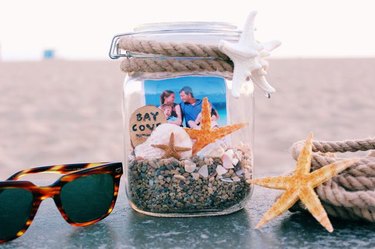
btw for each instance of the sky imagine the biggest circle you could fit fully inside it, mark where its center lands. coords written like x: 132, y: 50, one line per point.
x: 212, y: 87
x: 83, y: 29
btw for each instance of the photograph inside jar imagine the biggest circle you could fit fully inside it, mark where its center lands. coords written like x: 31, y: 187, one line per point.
x: 184, y: 160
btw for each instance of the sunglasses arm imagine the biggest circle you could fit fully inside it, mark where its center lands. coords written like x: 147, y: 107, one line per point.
x: 59, y: 169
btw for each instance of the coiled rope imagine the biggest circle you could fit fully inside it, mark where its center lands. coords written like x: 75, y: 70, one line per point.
x: 162, y: 57
x: 351, y: 194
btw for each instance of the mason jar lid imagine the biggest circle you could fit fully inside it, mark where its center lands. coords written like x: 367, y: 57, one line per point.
x: 222, y: 26
x: 209, y: 33
x: 202, y: 32
x: 194, y: 31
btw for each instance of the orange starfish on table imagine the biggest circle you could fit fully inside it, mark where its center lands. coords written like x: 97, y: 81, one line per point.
x: 206, y: 134
x: 301, y: 186
x: 171, y: 150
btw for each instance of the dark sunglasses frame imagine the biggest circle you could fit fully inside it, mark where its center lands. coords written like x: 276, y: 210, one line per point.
x: 71, y: 172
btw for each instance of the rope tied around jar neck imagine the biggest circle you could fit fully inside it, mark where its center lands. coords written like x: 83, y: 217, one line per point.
x: 174, y: 57
x: 351, y: 194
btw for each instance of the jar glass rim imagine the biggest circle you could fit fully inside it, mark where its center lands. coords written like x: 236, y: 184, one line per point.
x: 187, y: 31
x: 181, y: 26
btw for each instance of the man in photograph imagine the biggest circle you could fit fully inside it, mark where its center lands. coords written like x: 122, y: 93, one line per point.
x: 191, y: 108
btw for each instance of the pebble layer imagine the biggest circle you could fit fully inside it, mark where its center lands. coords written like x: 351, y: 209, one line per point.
x: 164, y: 185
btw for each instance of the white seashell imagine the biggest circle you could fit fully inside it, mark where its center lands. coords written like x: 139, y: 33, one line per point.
x: 235, y: 161
x: 195, y: 176
x: 236, y: 179
x: 189, y: 166
x: 203, y: 171
x: 238, y: 155
x: 208, y: 160
x: 221, y: 170
x: 179, y: 177
x: 230, y: 153
x: 215, y: 149
x: 227, y: 180
x: 227, y: 161
x: 152, y: 164
x: 161, y: 135
x: 217, y: 152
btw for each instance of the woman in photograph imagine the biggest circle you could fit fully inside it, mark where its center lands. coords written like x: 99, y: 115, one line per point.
x: 167, y: 97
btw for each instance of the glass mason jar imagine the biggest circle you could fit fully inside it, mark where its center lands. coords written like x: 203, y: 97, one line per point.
x: 188, y: 140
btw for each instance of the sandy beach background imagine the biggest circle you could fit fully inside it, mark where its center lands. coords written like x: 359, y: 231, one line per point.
x: 54, y: 112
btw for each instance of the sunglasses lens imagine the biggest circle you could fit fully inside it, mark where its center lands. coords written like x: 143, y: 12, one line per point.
x: 87, y: 198
x: 15, y: 209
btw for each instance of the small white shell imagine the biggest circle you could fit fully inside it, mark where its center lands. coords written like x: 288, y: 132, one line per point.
x: 236, y: 179
x: 203, y: 171
x: 179, y: 177
x: 227, y: 180
x: 189, y: 166
x: 161, y: 135
x: 227, y: 161
x: 221, y: 170
x: 195, y: 176
x: 230, y: 153
x: 215, y: 149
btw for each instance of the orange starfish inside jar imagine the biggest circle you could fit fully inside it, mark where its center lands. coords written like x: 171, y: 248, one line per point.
x: 188, y: 127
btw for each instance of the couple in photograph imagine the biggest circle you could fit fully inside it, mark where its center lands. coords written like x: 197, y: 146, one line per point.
x: 189, y: 110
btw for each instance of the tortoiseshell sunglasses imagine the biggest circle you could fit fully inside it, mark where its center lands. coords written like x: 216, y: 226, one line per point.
x: 85, y: 195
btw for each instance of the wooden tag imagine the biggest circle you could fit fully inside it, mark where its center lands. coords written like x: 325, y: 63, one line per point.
x: 143, y: 121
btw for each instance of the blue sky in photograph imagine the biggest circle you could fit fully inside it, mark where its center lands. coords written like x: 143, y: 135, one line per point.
x: 212, y: 87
